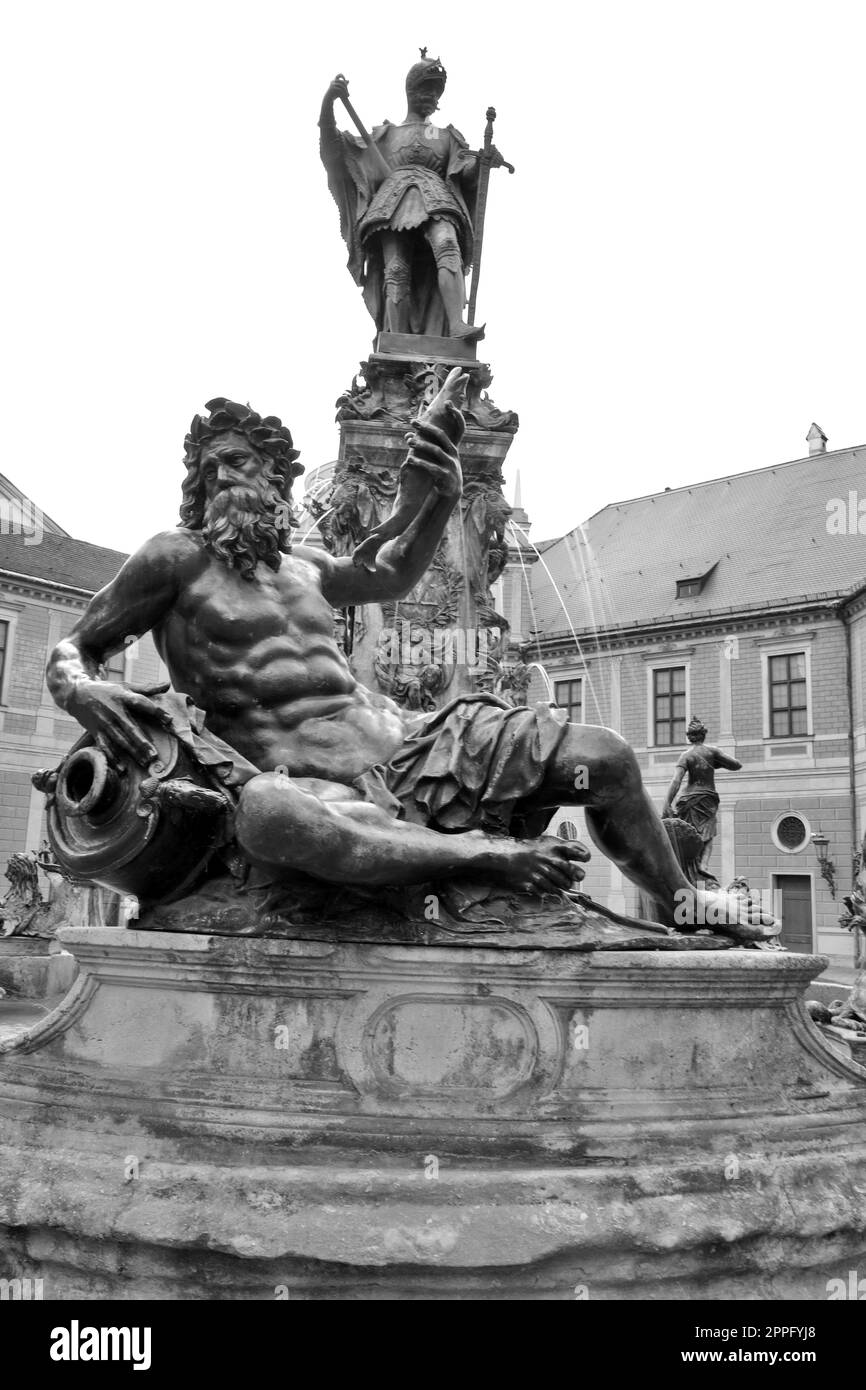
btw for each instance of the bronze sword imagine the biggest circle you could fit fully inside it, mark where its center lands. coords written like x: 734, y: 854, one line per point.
x: 481, y: 210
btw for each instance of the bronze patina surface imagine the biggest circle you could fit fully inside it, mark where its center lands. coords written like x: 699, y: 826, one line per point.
x: 279, y: 758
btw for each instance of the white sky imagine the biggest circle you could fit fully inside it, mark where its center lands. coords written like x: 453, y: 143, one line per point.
x: 673, y: 280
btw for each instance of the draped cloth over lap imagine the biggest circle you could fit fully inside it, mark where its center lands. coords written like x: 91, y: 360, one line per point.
x: 466, y: 767
x: 471, y: 764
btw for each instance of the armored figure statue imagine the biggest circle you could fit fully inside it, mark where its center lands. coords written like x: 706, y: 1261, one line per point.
x: 323, y: 779
x: 699, y: 802
x: 404, y: 202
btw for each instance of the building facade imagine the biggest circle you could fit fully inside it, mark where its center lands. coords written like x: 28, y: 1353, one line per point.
x: 46, y: 581
x: 741, y: 601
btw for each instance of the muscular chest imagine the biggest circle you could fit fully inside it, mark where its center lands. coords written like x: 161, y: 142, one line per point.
x: 222, y: 609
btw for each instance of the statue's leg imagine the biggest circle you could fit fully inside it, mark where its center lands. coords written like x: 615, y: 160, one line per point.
x: 442, y: 239
x: 595, y: 768
x: 282, y: 826
x: 397, y: 279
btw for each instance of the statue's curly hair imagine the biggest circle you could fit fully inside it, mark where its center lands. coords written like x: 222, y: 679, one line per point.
x: 22, y: 873
x: 268, y: 436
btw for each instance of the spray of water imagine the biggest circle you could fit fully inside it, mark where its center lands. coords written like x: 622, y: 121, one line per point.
x: 630, y: 675
x: 528, y: 594
x: 317, y: 522
x: 556, y: 590
x: 548, y: 683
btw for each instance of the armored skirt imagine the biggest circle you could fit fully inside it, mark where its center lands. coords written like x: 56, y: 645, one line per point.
x: 418, y: 189
x: 409, y: 199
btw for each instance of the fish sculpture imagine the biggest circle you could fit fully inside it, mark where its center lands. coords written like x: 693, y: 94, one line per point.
x: 417, y: 493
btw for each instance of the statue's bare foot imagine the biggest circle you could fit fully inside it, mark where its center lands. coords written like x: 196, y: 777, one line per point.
x: 729, y: 914
x: 547, y: 865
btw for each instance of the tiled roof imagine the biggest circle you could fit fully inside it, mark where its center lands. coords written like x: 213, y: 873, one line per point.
x: 766, y: 533
x: 60, y: 560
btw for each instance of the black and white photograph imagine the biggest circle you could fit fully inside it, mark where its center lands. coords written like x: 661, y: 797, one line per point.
x: 433, y: 670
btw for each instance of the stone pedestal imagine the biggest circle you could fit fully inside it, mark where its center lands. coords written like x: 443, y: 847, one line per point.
x: 211, y: 1117
x: 445, y: 637
x: 34, y: 967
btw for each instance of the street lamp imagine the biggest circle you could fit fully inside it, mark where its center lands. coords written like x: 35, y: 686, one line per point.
x: 825, y: 863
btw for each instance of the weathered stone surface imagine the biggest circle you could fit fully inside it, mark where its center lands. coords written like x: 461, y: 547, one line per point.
x: 211, y: 1118
x: 32, y: 967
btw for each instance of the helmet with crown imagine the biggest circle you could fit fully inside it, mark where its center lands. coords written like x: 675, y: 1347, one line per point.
x: 424, y: 71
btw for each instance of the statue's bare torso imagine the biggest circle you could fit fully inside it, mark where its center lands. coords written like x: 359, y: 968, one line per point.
x: 260, y: 658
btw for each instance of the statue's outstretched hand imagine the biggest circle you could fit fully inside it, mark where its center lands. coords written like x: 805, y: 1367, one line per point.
x: 113, y: 715
x: 436, y: 453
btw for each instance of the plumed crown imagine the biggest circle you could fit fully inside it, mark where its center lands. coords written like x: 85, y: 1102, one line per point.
x: 424, y: 71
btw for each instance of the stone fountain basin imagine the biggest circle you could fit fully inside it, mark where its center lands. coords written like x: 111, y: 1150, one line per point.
x: 212, y: 1117
x: 34, y: 967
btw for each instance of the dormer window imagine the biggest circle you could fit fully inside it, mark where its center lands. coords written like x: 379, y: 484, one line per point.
x: 696, y: 583
x: 687, y: 588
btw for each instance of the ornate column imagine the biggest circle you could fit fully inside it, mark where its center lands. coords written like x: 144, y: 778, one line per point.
x: 445, y: 638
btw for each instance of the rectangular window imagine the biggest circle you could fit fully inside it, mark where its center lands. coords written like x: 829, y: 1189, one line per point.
x: 788, y: 704
x: 569, y: 696
x: 669, y: 706
x: 687, y: 588
x: 4, y: 643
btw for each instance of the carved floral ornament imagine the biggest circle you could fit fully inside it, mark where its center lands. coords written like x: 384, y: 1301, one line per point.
x: 385, y: 390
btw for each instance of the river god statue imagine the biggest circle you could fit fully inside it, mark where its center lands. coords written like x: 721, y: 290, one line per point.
x: 268, y: 748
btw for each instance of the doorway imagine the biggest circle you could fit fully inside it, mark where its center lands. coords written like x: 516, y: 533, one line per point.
x: 794, y: 906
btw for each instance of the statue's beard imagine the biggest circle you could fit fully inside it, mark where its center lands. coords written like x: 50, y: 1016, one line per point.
x: 244, y: 524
